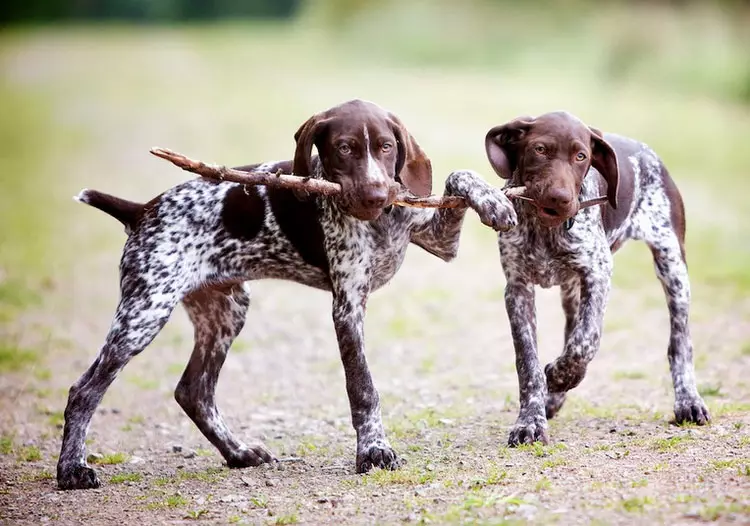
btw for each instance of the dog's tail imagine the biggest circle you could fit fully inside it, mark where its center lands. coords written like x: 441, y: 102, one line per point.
x: 126, y: 212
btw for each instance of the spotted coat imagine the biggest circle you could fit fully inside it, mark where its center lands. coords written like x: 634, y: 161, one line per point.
x: 579, y: 260
x: 201, y: 243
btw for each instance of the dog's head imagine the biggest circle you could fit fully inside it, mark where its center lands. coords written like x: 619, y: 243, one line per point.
x: 368, y: 151
x: 550, y: 155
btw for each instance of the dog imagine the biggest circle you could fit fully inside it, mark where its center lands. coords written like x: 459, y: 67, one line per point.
x: 200, y: 242
x: 561, y: 162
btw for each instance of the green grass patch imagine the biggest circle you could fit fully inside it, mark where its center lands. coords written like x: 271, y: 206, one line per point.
x: 39, y: 476
x: 715, y: 512
x: 209, y: 475
x: 287, y: 518
x: 543, y: 484
x: 6, y: 444
x: 109, y: 459
x: 675, y: 443
x: 14, y: 358
x: 259, y: 501
x: 29, y: 454
x: 195, y: 514
x: 708, y: 391
x: 171, y: 501
x: 637, y: 504
x: 730, y: 408
x: 537, y: 449
x: 126, y: 477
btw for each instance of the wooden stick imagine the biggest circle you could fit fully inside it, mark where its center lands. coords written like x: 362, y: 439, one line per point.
x: 319, y: 186
x: 223, y: 173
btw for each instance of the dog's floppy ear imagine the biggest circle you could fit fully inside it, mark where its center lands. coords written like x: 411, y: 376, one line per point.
x: 306, y: 136
x: 413, y: 167
x: 501, y: 145
x: 604, y: 159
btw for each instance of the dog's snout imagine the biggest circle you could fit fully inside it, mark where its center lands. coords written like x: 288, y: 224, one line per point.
x: 558, y: 197
x: 375, y: 196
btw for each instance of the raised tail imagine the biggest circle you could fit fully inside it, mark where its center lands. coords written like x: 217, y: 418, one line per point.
x: 126, y: 212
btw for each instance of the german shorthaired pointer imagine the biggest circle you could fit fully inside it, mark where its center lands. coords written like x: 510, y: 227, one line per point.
x: 561, y: 161
x: 200, y: 241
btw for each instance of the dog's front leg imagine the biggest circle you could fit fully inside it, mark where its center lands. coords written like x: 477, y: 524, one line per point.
x: 350, y: 283
x: 531, y: 425
x: 582, y: 341
x: 438, y: 231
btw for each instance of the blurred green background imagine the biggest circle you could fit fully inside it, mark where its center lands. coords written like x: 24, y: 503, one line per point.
x: 87, y: 87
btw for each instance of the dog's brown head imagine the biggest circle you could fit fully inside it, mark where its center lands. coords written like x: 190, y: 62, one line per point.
x: 550, y: 155
x: 368, y: 151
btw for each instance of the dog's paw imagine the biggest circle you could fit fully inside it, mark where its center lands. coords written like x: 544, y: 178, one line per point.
x: 528, y: 430
x: 491, y: 204
x: 77, y: 477
x: 376, y: 454
x: 691, y: 410
x: 251, y: 456
x: 553, y: 404
x: 494, y: 209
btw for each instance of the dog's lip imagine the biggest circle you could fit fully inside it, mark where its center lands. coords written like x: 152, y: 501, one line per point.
x: 549, y: 216
x: 366, y: 214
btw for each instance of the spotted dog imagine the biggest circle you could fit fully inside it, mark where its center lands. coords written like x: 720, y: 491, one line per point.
x: 561, y: 162
x: 200, y: 242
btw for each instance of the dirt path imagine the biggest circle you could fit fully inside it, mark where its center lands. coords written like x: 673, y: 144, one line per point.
x: 438, y: 345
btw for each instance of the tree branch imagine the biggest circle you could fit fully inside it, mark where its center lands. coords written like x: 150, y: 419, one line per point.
x: 307, y: 184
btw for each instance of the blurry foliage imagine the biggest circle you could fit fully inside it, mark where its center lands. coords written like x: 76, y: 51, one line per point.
x: 143, y: 10
x: 688, y: 47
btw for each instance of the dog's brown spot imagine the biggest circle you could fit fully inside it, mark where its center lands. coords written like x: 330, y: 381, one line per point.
x: 299, y: 221
x: 243, y: 212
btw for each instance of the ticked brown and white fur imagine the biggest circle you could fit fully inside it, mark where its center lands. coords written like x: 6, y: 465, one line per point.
x: 561, y: 162
x: 201, y: 242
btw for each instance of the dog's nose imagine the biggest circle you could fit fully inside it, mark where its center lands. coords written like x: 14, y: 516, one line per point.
x: 558, y: 198
x: 375, y: 196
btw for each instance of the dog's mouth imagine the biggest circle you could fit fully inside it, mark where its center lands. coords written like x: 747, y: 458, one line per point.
x: 551, y: 217
x: 366, y: 214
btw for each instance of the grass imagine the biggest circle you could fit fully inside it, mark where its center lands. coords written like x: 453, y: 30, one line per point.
x: 109, y: 459
x: 637, y: 504
x: 195, y: 514
x: 259, y: 501
x: 30, y: 454
x: 708, y: 391
x: 171, y: 501
x: 6, y: 444
x: 287, y: 518
x: 14, y: 358
x: 125, y: 477
x: 675, y: 443
x: 208, y: 475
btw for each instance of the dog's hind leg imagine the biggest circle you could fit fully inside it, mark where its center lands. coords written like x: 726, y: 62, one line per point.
x: 144, y: 308
x: 570, y: 294
x: 667, y: 250
x: 218, y: 315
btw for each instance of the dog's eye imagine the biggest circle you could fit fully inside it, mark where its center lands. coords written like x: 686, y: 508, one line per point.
x: 345, y: 149
x: 580, y: 157
x: 386, y: 147
x: 540, y: 149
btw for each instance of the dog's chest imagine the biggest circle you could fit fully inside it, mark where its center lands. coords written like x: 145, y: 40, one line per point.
x: 370, y: 251
x: 549, y: 256
x: 390, y: 239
